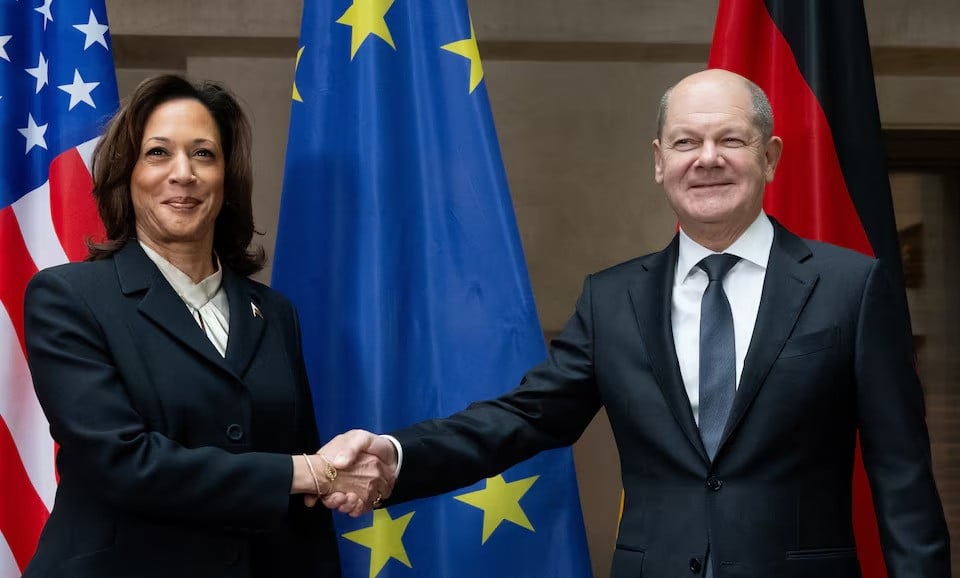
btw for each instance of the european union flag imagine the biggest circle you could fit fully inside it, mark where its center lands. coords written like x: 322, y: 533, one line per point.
x: 398, y: 243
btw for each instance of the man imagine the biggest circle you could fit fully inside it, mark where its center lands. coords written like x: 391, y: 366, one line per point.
x: 735, y: 384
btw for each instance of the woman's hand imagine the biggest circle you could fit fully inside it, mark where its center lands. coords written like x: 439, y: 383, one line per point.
x: 364, y: 471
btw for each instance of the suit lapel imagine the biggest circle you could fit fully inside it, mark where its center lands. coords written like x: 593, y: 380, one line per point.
x: 160, y: 303
x: 786, y: 288
x: 652, y: 300
x: 246, y: 327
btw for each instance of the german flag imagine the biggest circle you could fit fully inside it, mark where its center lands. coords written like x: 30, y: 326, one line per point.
x: 812, y: 58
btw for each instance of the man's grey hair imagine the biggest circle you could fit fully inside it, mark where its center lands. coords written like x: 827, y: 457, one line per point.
x: 762, y: 112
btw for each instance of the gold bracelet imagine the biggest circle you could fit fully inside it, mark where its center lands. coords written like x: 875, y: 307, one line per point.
x: 331, y: 471
x: 316, y: 480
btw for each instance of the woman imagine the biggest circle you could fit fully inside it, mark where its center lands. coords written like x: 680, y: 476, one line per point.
x: 174, y: 385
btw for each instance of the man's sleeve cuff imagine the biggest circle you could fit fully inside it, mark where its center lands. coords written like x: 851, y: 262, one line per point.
x: 398, y: 449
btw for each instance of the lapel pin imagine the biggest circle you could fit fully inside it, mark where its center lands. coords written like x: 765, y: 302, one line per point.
x: 256, y: 310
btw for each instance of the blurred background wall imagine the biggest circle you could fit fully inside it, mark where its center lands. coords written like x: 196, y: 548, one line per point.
x: 574, y: 86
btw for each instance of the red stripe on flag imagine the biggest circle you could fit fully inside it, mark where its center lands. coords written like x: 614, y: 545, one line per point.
x: 865, y: 527
x: 22, y: 512
x: 808, y: 195
x: 16, y: 268
x: 72, y: 207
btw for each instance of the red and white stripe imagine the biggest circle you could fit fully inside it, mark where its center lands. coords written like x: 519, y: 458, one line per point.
x: 46, y: 227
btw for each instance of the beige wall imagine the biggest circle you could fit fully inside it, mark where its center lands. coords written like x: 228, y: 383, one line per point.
x: 574, y: 86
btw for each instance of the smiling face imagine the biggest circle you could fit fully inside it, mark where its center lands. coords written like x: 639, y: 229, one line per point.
x: 177, y: 182
x: 711, y: 158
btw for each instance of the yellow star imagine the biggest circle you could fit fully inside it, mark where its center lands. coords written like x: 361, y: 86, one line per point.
x: 366, y: 17
x: 468, y: 49
x: 296, y: 93
x: 500, y: 501
x: 384, y: 538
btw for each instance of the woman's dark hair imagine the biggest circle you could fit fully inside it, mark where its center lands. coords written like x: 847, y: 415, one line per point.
x: 118, y: 151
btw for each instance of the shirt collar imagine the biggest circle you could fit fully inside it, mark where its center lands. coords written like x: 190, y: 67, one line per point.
x: 196, y: 295
x: 753, y: 245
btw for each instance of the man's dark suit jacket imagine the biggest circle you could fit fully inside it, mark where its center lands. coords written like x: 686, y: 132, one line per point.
x: 174, y: 461
x: 831, y: 353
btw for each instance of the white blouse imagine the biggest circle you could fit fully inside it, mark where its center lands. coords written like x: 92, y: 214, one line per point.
x: 206, y: 300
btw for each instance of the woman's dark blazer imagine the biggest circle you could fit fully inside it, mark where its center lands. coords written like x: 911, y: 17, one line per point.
x: 174, y: 461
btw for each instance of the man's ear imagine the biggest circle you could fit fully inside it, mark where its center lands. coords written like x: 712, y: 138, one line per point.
x: 772, y: 151
x: 657, y: 162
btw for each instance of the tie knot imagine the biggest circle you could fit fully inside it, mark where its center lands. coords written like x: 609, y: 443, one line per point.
x: 717, y: 266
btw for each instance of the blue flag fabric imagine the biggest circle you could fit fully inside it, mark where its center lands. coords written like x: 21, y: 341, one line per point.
x: 398, y: 244
x: 57, y: 86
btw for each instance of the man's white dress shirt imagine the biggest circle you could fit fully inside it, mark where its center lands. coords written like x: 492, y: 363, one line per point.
x: 743, y: 286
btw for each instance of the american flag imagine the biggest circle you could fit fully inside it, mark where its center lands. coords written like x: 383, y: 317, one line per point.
x: 57, y: 90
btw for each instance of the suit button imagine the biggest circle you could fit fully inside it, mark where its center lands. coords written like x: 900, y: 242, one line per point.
x: 234, y: 432
x: 714, y: 483
x: 695, y: 565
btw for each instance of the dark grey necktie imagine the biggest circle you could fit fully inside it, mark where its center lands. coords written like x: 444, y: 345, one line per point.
x: 718, y: 360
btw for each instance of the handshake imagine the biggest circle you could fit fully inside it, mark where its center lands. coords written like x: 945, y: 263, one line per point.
x: 353, y: 473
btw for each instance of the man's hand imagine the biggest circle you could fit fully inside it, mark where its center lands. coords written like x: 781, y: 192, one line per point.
x: 366, y: 472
